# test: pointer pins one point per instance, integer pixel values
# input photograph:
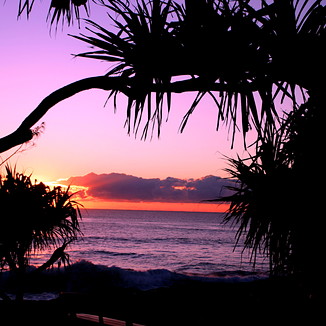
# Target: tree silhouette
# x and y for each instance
(267, 202)
(240, 55)
(243, 54)
(34, 218)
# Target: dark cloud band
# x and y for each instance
(123, 187)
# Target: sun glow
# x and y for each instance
(77, 190)
(92, 203)
(183, 188)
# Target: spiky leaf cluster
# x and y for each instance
(273, 205)
(240, 53)
(33, 218)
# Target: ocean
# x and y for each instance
(148, 249)
(182, 242)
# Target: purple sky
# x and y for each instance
(81, 135)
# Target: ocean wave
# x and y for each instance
(86, 277)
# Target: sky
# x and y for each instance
(82, 136)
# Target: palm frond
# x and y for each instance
(66, 10)
(139, 47)
(251, 49)
(264, 202)
(34, 218)
(25, 5)
(252, 53)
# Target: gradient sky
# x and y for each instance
(81, 135)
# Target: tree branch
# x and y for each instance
(121, 84)
(99, 82)
(203, 85)
(24, 132)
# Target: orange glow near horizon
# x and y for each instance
(154, 206)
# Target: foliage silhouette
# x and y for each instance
(244, 55)
(275, 204)
(34, 218)
(64, 10)
(241, 56)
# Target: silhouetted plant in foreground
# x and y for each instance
(271, 209)
(245, 55)
(242, 56)
(34, 218)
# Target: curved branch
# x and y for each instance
(99, 82)
(24, 132)
(18, 137)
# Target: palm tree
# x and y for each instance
(276, 204)
(264, 201)
(262, 52)
(34, 218)
(243, 54)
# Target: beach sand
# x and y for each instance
(262, 302)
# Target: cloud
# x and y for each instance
(123, 187)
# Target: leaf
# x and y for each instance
(193, 106)
(26, 5)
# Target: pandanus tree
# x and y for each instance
(246, 55)
(229, 50)
(34, 218)
(274, 202)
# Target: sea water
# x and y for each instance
(182, 242)
(149, 249)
